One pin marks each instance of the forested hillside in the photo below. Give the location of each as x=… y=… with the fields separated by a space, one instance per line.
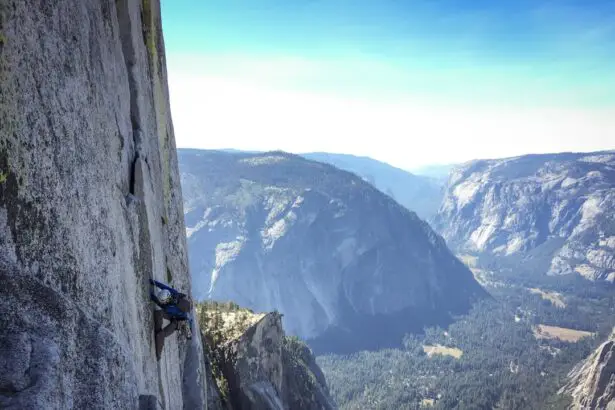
x=501 y=355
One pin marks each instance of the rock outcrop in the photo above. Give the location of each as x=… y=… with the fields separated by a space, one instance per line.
x=90 y=210
x=592 y=382
x=257 y=366
x=555 y=212
x=253 y=365
x=333 y=254
x=418 y=193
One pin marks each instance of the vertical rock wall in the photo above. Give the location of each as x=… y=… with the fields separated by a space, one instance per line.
x=90 y=209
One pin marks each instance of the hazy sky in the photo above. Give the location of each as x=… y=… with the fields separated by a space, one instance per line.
x=408 y=82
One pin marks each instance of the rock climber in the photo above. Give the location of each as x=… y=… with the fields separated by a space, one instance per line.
x=176 y=307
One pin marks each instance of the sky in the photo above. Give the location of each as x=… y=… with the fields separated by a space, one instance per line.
x=411 y=83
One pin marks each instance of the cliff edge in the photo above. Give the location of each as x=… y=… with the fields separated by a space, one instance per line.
x=256 y=366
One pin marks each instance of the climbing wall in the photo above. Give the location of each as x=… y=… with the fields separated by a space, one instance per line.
x=90 y=209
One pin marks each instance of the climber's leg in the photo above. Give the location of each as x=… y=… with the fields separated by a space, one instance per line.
x=158 y=316
x=162 y=334
x=169 y=329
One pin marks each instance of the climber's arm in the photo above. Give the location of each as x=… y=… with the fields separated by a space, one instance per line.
x=163 y=286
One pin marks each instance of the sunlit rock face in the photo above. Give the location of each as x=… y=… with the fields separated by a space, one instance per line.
x=266 y=370
x=557 y=210
x=592 y=382
x=90 y=210
x=320 y=245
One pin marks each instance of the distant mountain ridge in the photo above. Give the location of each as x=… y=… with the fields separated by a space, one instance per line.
x=420 y=194
x=345 y=264
x=553 y=210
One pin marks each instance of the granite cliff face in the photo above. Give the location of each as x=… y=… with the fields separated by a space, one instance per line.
x=257 y=366
x=90 y=210
x=420 y=194
x=592 y=382
x=275 y=231
x=555 y=211
x=253 y=366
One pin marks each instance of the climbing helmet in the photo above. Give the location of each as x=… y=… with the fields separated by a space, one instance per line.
x=164 y=296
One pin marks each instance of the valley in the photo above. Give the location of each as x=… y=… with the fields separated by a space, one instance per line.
x=331 y=253
x=505 y=363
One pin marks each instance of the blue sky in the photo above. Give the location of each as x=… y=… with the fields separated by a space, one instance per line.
x=407 y=82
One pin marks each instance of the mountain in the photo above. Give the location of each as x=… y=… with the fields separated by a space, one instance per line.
x=345 y=264
x=548 y=214
x=90 y=210
x=592 y=382
x=418 y=193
